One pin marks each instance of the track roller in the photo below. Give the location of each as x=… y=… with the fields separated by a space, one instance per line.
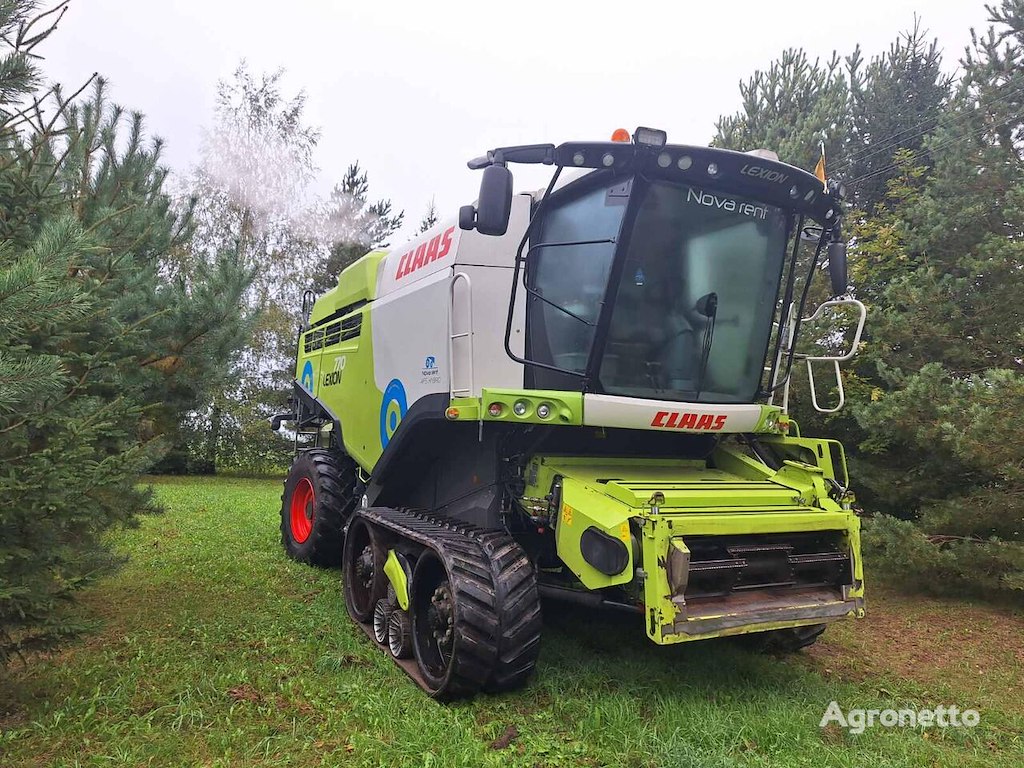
x=400 y=634
x=381 y=617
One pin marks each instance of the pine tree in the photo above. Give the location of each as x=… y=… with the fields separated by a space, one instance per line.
x=895 y=104
x=189 y=327
x=792 y=109
x=936 y=235
x=99 y=349
x=355 y=225
x=947 y=359
x=430 y=217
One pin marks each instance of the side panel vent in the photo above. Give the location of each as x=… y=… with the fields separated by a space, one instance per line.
x=335 y=333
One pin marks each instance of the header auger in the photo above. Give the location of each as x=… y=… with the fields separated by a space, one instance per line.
x=578 y=394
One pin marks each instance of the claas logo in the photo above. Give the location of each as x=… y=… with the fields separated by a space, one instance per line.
x=436 y=248
x=677 y=420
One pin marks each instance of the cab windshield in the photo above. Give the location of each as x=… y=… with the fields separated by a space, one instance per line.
x=691 y=316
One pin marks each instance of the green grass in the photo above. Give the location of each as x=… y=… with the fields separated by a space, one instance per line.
x=213 y=649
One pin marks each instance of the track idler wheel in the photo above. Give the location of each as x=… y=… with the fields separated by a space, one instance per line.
x=363 y=570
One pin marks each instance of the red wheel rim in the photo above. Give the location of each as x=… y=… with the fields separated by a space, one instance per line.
x=302 y=510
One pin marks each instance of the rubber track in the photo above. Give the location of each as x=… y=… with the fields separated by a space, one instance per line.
x=477 y=626
x=520 y=617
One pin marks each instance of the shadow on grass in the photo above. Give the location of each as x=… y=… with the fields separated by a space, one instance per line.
x=612 y=649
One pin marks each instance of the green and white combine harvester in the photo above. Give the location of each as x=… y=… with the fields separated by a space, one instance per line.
x=579 y=394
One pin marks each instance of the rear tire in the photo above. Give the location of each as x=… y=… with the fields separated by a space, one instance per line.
x=319 y=496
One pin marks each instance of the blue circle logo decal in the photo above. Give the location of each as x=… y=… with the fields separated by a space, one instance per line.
x=307 y=376
x=392 y=409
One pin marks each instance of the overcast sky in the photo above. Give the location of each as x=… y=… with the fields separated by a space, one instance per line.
x=414 y=89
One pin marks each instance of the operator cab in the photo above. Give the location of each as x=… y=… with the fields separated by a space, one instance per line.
x=662 y=272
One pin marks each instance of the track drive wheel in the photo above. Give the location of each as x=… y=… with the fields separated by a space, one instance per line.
x=454 y=628
x=319 y=496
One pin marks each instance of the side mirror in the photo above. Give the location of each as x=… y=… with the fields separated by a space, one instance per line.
x=837 y=268
x=495 y=203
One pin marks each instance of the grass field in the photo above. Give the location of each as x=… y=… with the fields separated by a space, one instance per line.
x=210 y=648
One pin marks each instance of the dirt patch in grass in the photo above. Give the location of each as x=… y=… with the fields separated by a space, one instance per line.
x=511 y=734
x=11 y=718
x=247 y=693
x=938 y=645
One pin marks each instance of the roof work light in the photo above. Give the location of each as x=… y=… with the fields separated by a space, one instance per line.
x=650 y=137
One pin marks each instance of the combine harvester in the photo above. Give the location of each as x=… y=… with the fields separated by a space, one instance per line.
x=578 y=394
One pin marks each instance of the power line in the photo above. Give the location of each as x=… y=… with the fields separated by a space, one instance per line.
x=892 y=141
x=918 y=154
